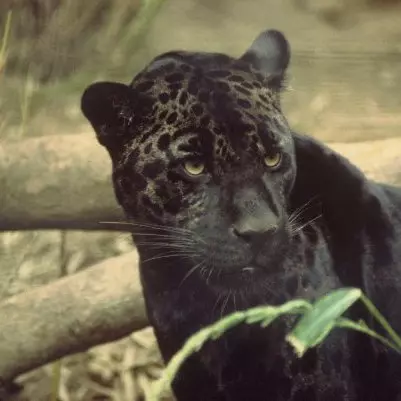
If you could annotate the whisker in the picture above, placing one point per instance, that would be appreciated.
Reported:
(192, 270)
(170, 240)
(209, 275)
(152, 226)
(217, 302)
(168, 231)
(225, 303)
(180, 252)
(306, 224)
(154, 235)
(298, 212)
(272, 288)
(203, 271)
(172, 255)
(164, 244)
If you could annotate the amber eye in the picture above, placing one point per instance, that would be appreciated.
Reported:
(273, 160)
(194, 167)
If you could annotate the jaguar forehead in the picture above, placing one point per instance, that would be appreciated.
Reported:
(184, 100)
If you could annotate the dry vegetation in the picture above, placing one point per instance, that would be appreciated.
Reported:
(45, 53)
(55, 48)
(55, 38)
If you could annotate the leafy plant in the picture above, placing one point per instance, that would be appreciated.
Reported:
(316, 322)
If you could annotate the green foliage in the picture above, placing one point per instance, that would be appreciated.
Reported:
(315, 324)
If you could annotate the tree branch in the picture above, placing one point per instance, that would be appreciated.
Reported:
(63, 181)
(99, 305)
(60, 182)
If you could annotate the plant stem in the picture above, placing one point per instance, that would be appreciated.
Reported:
(4, 41)
(381, 319)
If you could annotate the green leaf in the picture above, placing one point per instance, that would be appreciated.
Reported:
(260, 314)
(317, 323)
(363, 328)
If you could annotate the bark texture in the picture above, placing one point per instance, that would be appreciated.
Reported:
(60, 182)
(99, 305)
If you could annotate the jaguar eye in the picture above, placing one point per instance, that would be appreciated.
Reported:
(194, 167)
(273, 160)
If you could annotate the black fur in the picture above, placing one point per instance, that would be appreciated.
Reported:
(244, 233)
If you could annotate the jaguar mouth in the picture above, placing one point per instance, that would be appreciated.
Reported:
(249, 269)
(241, 272)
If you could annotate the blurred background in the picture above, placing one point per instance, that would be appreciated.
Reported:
(344, 86)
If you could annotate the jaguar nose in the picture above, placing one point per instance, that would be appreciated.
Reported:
(254, 231)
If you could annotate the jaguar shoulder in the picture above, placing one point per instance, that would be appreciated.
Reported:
(230, 209)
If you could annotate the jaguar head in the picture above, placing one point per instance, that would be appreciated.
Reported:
(203, 159)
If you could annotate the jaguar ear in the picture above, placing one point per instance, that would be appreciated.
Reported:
(114, 110)
(270, 54)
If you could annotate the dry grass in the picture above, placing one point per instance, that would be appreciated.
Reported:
(44, 52)
(54, 39)
(4, 41)
(119, 371)
(56, 47)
